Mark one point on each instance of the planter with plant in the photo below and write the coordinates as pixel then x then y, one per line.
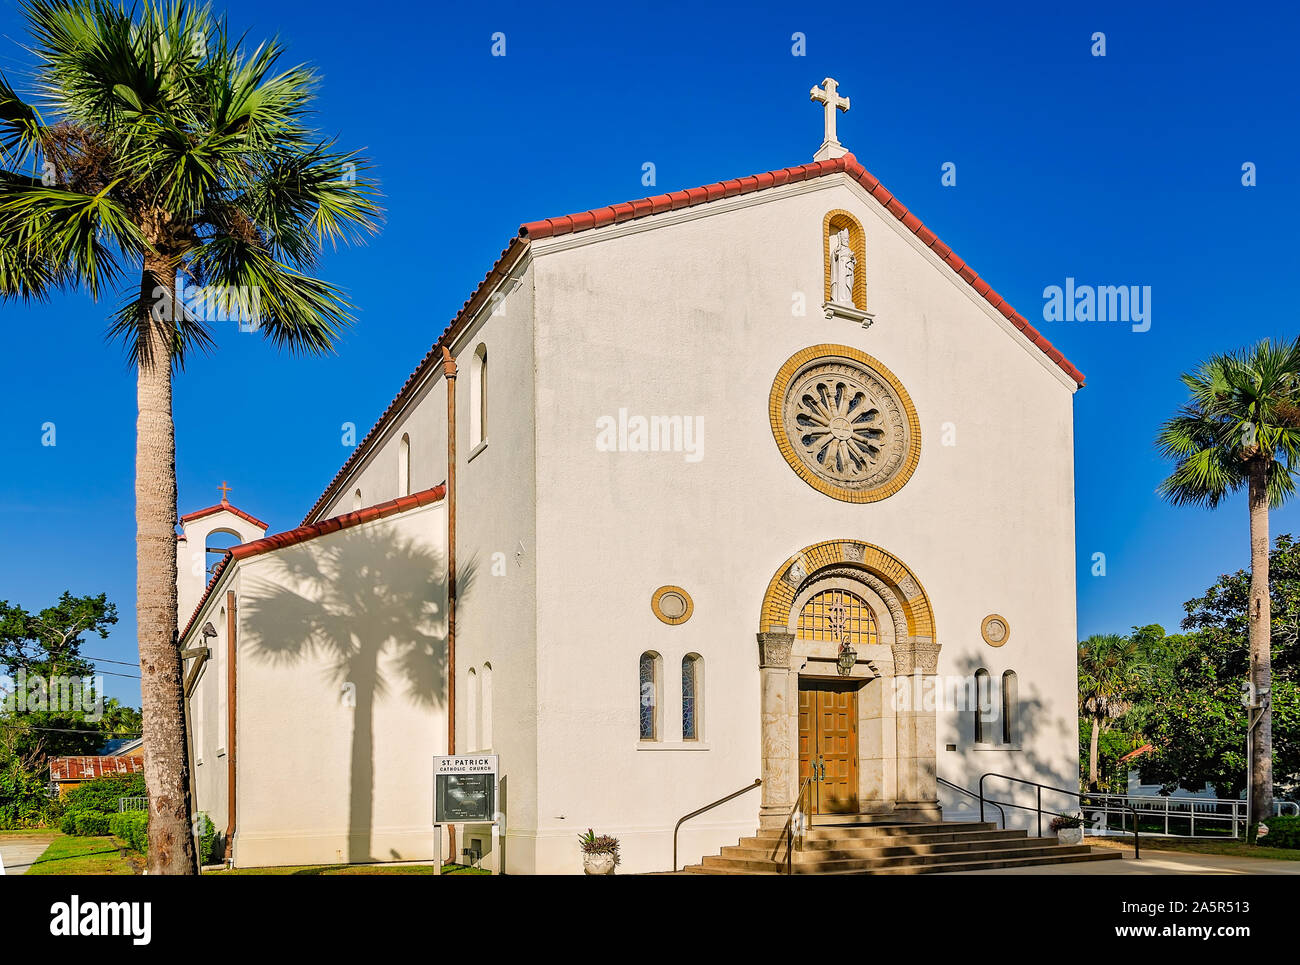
pixel 599 853
pixel 1068 828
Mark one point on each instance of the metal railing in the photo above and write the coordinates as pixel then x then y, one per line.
pixel 132 804
pixel 1176 817
pixel 790 824
pixel 1137 846
pixel 975 797
pixel 708 807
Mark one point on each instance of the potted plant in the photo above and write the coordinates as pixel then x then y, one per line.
pixel 599 853
pixel 1068 828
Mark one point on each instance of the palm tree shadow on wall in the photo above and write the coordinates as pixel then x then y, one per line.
pixel 1036 725
pixel 370 609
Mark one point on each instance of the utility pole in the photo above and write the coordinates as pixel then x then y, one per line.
pixel 1256 701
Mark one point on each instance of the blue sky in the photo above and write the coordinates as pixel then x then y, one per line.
pixel 1117 170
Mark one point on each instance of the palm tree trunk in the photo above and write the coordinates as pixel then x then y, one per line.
pixel 166 761
pixel 1092 755
pixel 1261 627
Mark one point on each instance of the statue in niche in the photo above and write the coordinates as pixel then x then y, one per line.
pixel 844 267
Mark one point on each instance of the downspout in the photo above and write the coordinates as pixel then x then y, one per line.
pixel 231 649
pixel 449 373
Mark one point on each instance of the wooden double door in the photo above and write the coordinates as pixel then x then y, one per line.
pixel 828 743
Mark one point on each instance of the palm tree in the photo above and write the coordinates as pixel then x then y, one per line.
pixel 156 143
pixel 1241 427
pixel 1112 672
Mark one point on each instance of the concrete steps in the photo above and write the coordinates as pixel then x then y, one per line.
pixel 871 846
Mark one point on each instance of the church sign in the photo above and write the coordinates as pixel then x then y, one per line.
pixel 464 789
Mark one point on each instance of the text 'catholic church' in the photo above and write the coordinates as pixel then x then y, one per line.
pixel 648 537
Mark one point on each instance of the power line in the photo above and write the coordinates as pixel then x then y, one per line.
pixel 124 663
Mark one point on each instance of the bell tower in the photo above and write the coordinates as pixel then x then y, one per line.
pixel 204 535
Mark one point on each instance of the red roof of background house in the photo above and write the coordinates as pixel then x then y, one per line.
pixel 1144 749
pixel 303 533
pixel 223 505
pixel 629 210
pixel 87 768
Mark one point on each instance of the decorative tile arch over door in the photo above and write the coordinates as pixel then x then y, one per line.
pixel 897 752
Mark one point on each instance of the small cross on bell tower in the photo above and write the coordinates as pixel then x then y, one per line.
pixel 831 102
pixel 225 492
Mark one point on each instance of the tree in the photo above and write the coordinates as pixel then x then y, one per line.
pixel 1197 722
pixel 1241 428
pixel 53 705
pixel 161 146
pixel 1112 673
pixel 48 701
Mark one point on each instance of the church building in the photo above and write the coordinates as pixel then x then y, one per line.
pixel 755 481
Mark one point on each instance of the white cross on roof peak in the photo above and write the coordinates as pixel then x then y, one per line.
pixel 830 100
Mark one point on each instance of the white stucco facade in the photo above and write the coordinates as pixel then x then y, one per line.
pixel 561 543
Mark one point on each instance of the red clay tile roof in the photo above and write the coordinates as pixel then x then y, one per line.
pixel 199 514
pixel 304 533
pixel 848 164
pixel 86 768
pixel 629 210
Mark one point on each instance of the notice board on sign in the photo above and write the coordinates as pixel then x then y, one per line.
pixel 465 789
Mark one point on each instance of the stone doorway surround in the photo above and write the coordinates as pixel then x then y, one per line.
pixel 896 743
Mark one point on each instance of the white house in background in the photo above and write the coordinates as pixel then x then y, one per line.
pixel 746 481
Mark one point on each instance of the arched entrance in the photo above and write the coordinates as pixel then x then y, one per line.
pixel 864 730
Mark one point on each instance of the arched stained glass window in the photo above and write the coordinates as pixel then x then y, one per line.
pixel 1010 701
pixel 692 684
pixel 983 704
pixel 648 696
pixel 838 616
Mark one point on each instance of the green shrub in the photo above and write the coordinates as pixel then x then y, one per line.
pixel 133 828
pixel 68 823
pixel 91 823
pixel 207 839
pixel 102 793
pixel 1283 832
pixel 24 797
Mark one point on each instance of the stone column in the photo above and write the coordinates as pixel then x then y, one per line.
pixel 918 791
pixel 777 694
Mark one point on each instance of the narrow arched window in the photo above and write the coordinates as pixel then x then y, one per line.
pixel 983 704
pixel 1010 702
pixel 478 397
pixel 648 695
pixel 356 500
pixel 485 706
pixel 692 704
pixel 471 710
pixel 404 466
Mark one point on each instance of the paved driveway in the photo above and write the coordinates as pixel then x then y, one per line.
pixel 18 853
pixel 1160 863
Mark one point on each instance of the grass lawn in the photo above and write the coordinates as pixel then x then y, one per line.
pixel 69 855
pixel 1232 849
pixel 29 833
pixel 355 869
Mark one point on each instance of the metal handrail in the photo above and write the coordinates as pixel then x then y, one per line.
pixel 1137 848
pixel 971 794
pixel 708 807
pixel 1167 808
pixel 789 824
